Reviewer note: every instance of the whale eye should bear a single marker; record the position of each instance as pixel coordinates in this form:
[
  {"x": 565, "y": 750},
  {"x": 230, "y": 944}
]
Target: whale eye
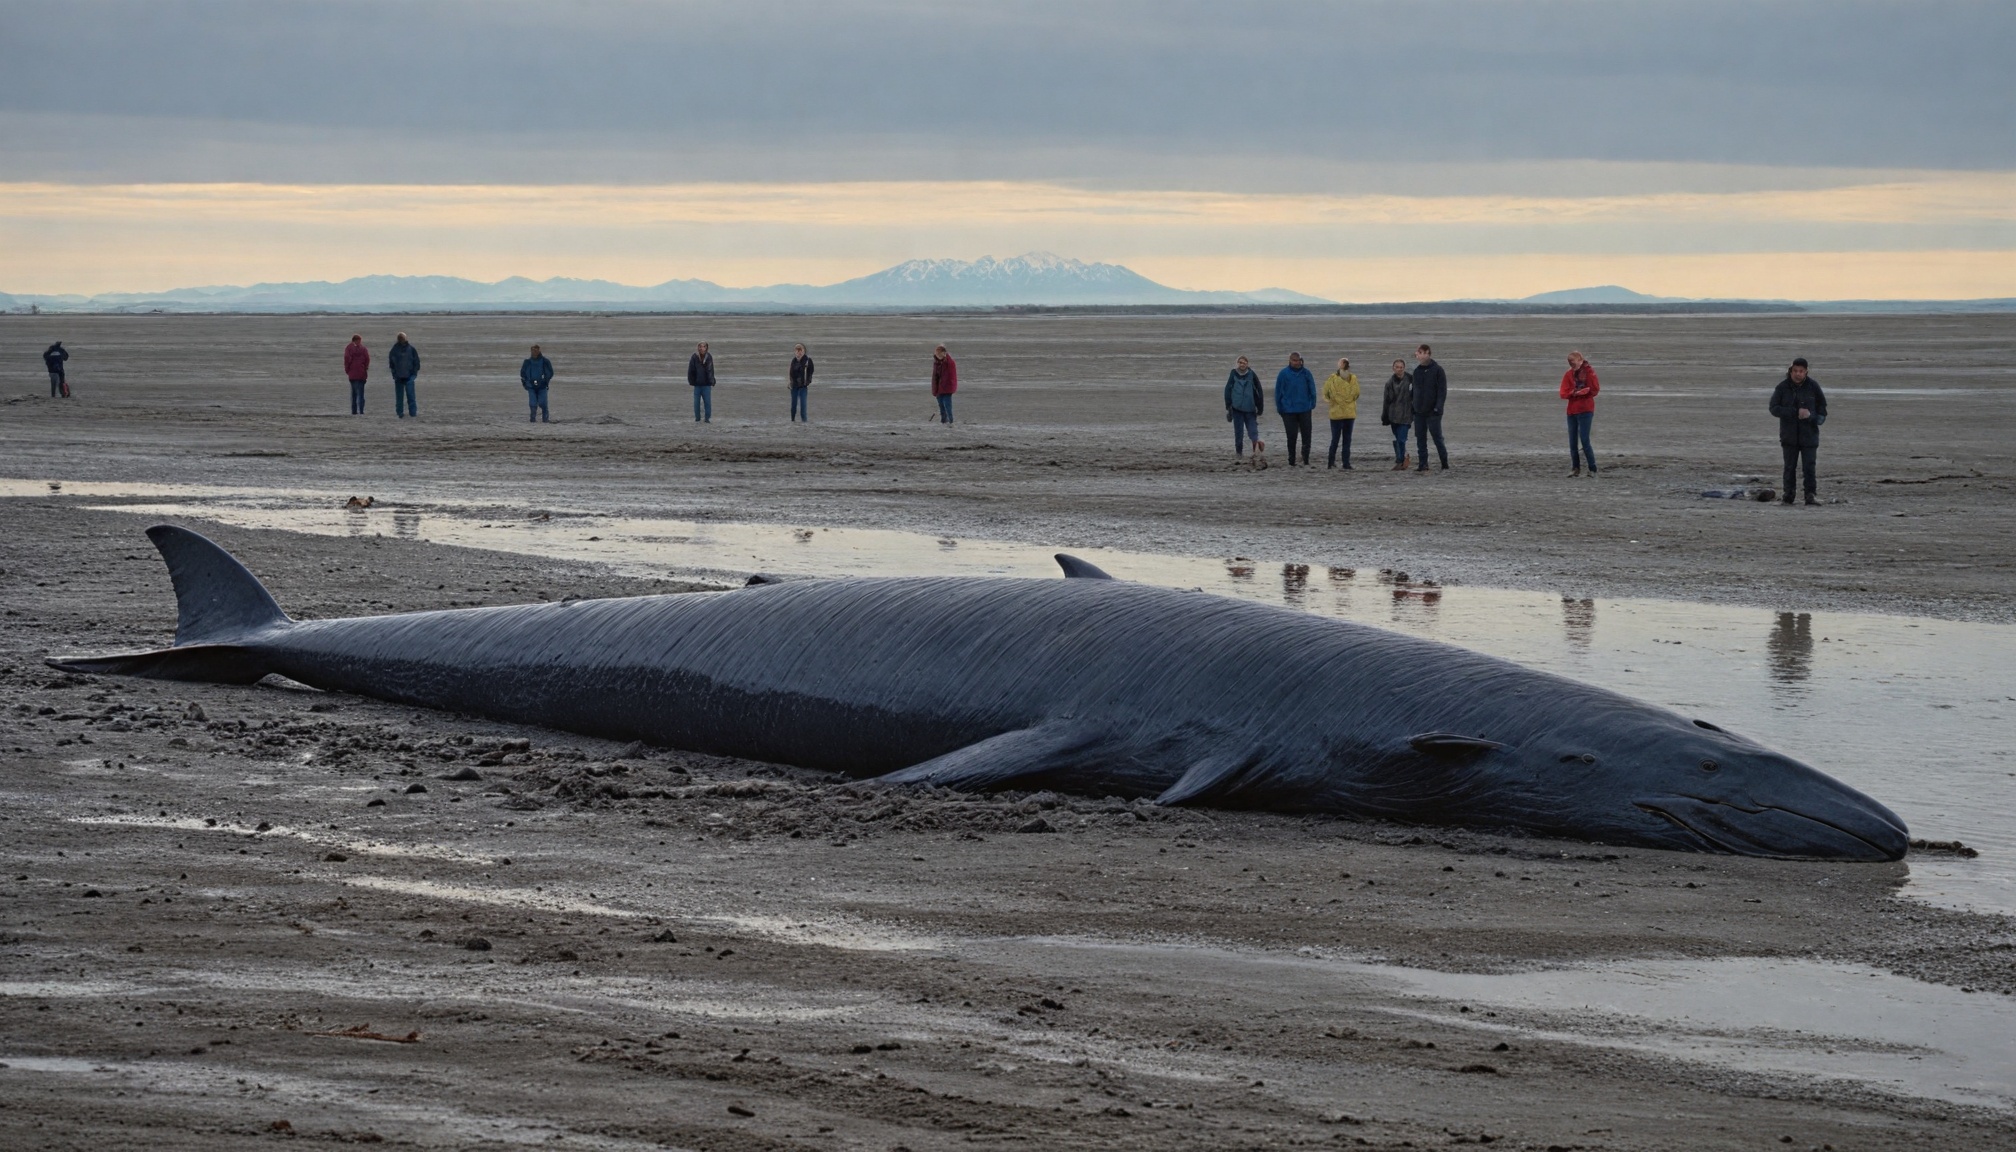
[
  {"x": 1709, "y": 766},
  {"x": 1579, "y": 758},
  {"x": 1705, "y": 724}
]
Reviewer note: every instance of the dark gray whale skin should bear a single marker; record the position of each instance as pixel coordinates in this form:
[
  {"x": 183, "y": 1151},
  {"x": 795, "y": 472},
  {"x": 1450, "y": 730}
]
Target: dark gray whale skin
[{"x": 1086, "y": 685}]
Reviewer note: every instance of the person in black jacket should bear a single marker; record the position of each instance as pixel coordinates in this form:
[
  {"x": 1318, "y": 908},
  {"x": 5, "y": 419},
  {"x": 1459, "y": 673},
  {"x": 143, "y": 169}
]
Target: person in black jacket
[
  {"x": 1431, "y": 392},
  {"x": 801, "y": 383},
  {"x": 53, "y": 359},
  {"x": 404, "y": 361},
  {"x": 700, "y": 376},
  {"x": 1801, "y": 408}
]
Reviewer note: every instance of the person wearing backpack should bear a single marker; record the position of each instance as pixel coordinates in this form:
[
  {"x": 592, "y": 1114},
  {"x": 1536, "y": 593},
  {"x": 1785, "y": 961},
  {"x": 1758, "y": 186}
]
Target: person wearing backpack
[
  {"x": 1578, "y": 388},
  {"x": 1340, "y": 392}
]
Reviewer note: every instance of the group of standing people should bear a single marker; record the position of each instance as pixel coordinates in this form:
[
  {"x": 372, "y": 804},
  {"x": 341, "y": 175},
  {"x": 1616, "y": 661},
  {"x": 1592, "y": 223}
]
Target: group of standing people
[
  {"x": 535, "y": 375},
  {"x": 404, "y": 363},
  {"x": 1412, "y": 400}
]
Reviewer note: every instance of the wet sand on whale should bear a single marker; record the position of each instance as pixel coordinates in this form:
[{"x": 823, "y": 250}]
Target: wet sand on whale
[{"x": 913, "y": 925}]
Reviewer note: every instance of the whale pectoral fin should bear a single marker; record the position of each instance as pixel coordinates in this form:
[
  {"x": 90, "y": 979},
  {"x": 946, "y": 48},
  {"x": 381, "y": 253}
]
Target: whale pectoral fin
[
  {"x": 1000, "y": 760},
  {"x": 1208, "y": 779},
  {"x": 1076, "y": 569},
  {"x": 1452, "y": 746}
]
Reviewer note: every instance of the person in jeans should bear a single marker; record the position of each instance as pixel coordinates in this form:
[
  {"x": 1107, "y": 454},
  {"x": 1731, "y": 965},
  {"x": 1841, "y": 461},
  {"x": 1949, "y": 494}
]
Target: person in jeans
[
  {"x": 1245, "y": 401},
  {"x": 944, "y": 382},
  {"x": 1801, "y": 408},
  {"x": 801, "y": 383},
  {"x": 536, "y": 374},
  {"x": 404, "y": 361},
  {"x": 357, "y": 366},
  {"x": 1578, "y": 388},
  {"x": 1340, "y": 392},
  {"x": 1294, "y": 399},
  {"x": 1431, "y": 391},
  {"x": 700, "y": 377},
  {"x": 1396, "y": 411},
  {"x": 52, "y": 359}
]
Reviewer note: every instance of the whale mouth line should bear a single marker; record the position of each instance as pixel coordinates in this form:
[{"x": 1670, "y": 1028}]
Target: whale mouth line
[{"x": 1722, "y": 843}]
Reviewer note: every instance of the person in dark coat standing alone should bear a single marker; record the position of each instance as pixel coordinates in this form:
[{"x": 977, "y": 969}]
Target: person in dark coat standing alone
[
  {"x": 801, "y": 383},
  {"x": 1245, "y": 402},
  {"x": 404, "y": 361},
  {"x": 356, "y": 366},
  {"x": 700, "y": 376},
  {"x": 52, "y": 359},
  {"x": 536, "y": 375},
  {"x": 1801, "y": 408},
  {"x": 1431, "y": 392},
  {"x": 944, "y": 382}
]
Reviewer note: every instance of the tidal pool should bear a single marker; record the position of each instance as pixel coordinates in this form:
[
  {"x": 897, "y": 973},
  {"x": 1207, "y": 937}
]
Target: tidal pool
[{"x": 1912, "y": 710}]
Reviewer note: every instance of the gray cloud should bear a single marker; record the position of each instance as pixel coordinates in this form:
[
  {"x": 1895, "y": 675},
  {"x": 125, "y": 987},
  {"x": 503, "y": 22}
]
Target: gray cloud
[{"x": 1267, "y": 94}]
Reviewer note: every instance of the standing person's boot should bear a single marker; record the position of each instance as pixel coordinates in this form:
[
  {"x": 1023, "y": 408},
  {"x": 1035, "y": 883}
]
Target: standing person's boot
[
  {"x": 1577, "y": 472},
  {"x": 1812, "y": 499},
  {"x": 1787, "y": 501}
]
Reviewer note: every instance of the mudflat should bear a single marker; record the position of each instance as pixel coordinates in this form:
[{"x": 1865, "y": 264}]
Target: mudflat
[{"x": 236, "y": 914}]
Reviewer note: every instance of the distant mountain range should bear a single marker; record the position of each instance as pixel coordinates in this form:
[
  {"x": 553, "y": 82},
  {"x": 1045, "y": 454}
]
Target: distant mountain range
[{"x": 1035, "y": 279}]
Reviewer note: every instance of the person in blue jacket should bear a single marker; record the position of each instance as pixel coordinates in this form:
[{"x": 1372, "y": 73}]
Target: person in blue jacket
[
  {"x": 404, "y": 360},
  {"x": 1431, "y": 392},
  {"x": 53, "y": 359},
  {"x": 1245, "y": 401},
  {"x": 536, "y": 374},
  {"x": 1295, "y": 399}
]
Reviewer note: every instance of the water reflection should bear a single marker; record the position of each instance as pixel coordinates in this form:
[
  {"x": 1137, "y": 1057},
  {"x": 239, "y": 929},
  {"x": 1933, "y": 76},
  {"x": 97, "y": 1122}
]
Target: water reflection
[
  {"x": 1791, "y": 651},
  {"x": 406, "y": 524},
  {"x": 1578, "y": 620},
  {"x": 1294, "y": 584},
  {"x": 1239, "y": 568},
  {"x": 356, "y": 521}
]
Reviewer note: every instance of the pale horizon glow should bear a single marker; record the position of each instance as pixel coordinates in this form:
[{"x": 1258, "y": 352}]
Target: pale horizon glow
[{"x": 1877, "y": 234}]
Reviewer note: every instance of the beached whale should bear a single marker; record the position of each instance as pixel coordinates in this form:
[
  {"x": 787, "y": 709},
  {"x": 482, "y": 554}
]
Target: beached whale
[{"x": 1085, "y": 684}]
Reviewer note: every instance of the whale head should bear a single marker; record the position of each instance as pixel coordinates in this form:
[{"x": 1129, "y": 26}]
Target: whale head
[{"x": 1670, "y": 782}]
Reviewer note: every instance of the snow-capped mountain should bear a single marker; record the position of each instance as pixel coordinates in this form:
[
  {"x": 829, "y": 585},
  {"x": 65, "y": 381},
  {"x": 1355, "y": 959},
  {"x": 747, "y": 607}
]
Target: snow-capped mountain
[{"x": 1036, "y": 278}]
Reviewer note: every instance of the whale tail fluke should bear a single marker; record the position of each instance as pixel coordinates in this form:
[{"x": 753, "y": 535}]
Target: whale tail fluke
[{"x": 219, "y": 604}]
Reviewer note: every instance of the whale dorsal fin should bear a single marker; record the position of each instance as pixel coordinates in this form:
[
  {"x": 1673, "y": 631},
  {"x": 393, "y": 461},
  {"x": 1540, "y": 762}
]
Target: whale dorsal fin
[
  {"x": 1451, "y": 745},
  {"x": 216, "y": 599},
  {"x": 1076, "y": 569}
]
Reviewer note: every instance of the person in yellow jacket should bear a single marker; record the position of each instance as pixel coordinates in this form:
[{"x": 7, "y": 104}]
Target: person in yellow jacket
[{"x": 1340, "y": 391}]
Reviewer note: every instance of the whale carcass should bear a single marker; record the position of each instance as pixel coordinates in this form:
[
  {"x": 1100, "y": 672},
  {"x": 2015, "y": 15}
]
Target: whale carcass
[{"x": 1084, "y": 684}]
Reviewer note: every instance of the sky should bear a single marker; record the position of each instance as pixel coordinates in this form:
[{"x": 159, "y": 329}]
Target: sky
[{"x": 1352, "y": 149}]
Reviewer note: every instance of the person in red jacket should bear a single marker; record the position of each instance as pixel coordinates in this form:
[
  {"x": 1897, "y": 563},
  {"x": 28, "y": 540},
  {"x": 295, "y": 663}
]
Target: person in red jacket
[
  {"x": 944, "y": 382},
  {"x": 1578, "y": 388},
  {"x": 357, "y": 366}
]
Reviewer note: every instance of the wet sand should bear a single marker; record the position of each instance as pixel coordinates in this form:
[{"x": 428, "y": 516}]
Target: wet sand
[{"x": 603, "y": 946}]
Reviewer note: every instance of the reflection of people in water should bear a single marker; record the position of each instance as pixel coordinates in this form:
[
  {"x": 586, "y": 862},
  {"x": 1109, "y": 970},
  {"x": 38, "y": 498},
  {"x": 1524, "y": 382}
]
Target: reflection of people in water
[
  {"x": 1578, "y": 619},
  {"x": 1294, "y": 582},
  {"x": 1791, "y": 648}
]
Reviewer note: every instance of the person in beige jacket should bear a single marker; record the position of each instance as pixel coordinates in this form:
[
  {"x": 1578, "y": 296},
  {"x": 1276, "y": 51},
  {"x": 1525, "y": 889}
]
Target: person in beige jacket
[{"x": 1340, "y": 392}]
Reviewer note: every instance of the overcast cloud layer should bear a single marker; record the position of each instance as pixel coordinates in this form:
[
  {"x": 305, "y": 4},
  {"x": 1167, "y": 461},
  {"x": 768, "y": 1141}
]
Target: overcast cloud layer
[
  {"x": 1121, "y": 90},
  {"x": 1353, "y": 149}
]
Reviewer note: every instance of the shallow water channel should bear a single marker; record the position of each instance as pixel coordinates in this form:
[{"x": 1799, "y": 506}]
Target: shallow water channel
[{"x": 1915, "y": 711}]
